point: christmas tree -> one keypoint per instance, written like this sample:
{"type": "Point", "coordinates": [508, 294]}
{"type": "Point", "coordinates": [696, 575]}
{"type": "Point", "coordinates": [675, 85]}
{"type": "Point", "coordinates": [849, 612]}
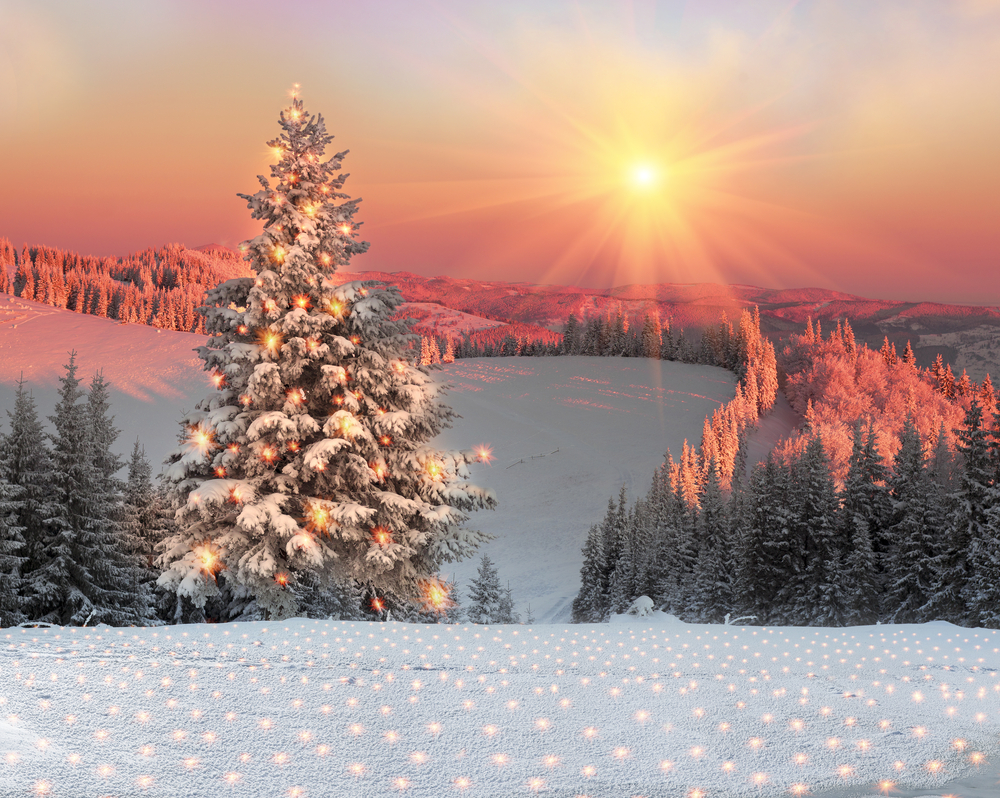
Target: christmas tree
{"type": "Point", "coordinates": [310, 460]}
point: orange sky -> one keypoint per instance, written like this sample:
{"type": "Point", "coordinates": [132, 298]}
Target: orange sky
{"type": "Point", "coordinates": [835, 143]}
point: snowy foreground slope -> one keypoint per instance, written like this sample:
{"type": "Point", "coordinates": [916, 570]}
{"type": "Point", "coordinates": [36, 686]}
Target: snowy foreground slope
{"type": "Point", "coordinates": [648, 707]}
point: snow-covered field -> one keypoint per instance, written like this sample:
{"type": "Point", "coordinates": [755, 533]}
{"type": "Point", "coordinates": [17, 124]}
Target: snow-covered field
{"type": "Point", "coordinates": [649, 707]}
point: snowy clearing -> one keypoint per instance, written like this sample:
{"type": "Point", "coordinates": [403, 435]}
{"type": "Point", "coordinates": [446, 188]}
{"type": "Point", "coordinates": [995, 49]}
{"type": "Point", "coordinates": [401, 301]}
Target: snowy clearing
{"type": "Point", "coordinates": [567, 433]}
{"type": "Point", "coordinates": [648, 707]}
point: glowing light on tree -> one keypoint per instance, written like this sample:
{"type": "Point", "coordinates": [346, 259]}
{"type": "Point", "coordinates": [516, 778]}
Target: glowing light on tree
{"type": "Point", "coordinates": [484, 453]}
{"type": "Point", "coordinates": [202, 439]}
{"type": "Point", "coordinates": [270, 340]}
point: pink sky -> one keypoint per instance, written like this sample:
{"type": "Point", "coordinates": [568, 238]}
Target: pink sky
{"type": "Point", "coordinates": [835, 143]}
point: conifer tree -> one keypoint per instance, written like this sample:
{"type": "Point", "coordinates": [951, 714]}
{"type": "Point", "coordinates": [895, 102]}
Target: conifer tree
{"type": "Point", "coordinates": [614, 535]}
{"type": "Point", "coordinates": [11, 551]}
{"type": "Point", "coordinates": [860, 525]}
{"type": "Point", "coordinates": [312, 453]}
{"type": "Point", "coordinates": [914, 525]}
{"type": "Point", "coordinates": [485, 594]}
{"type": "Point", "coordinates": [973, 529]}
{"type": "Point", "coordinates": [571, 336]}
{"type": "Point", "coordinates": [82, 574]}
{"type": "Point", "coordinates": [711, 590]}
{"type": "Point", "coordinates": [587, 603]}
{"type": "Point", "coordinates": [139, 508]}
{"type": "Point", "coordinates": [810, 595]}
{"type": "Point", "coordinates": [506, 612]}
{"type": "Point", "coordinates": [25, 461]}
{"type": "Point", "coordinates": [651, 341]}
{"type": "Point", "coordinates": [763, 551]}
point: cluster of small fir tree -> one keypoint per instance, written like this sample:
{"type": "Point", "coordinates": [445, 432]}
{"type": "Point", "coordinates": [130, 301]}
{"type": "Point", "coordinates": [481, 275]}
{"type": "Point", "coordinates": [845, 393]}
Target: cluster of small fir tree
{"type": "Point", "coordinates": [66, 551]}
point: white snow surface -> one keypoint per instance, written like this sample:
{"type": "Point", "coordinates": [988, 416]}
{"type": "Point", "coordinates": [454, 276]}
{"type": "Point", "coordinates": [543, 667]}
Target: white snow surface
{"type": "Point", "coordinates": [639, 707]}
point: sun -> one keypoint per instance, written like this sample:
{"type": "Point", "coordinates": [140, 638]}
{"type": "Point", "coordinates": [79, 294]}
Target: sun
{"type": "Point", "coordinates": [644, 175]}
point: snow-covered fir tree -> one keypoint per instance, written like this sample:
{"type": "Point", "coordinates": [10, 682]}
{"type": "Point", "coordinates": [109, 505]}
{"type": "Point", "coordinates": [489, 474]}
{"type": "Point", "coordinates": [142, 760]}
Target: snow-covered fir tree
{"type": "Point", "coordinates": [27, 465]}
{"type": "Point", "coordinates": [862, 522]}
{"type": "Point", "coordinates": [311, 455]}
{"type": "Point", "coordinates": [917, 518]}
{"type": "Point", "coordinates": [506, 611]}
{"type": "Point", "coordinates": [84, 573]}
{"type": "Point", "coordinates": [973, 525]}
{"type": "Point", "coordinates": [586, 605]}
{"type": "Point", "coordinates": [711, 588]}
{"type": "Point", "coordinates": [485, 594]}
{"type": "Point", "coordinates": [11, 553]}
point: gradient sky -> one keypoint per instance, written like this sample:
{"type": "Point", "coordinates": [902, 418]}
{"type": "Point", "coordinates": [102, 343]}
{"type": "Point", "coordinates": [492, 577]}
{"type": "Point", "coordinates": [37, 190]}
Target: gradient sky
{"type": "Point", "coordinates": [848, 144]}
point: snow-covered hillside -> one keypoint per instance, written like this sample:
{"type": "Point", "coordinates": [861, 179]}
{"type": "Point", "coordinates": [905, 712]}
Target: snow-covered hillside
{"type": "Point", "coordinates": [610, 419]}
{"type": "Point", "coordinates": [649, 707]}
{"type": "Point", "coordinates": [154, 374]}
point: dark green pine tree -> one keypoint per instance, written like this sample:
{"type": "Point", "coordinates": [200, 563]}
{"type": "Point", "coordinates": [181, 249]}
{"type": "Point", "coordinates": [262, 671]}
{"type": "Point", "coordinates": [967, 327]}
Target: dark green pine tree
{"type": "Point", "coordinates": [27, 464]}
{"type": "Point", "coordinates": [686, 549]}
{"type": "Point", "coordinates": [810, 596]}
{"type": "Point", "coordinates": [614, 534]}
{"type": "Point", "coordinates": [916, 520]}
{"type": "Point", "coordinates": [975, 522]}
{"type": "Point", "coordinates": [122, 569]}
{"type": "Point", "coordinates": [951, 593]}
{"type": "Point", "coordinates": [711, 589]}
{"type": "Point", "coordinates": [143, 523]}
{"type": "Point", "coordinates": [626, 578]}
{"type": "Point", "coordinates": [507, 613]}
{"type": "Point", "coordinates": [571, 336]}
{"type": "Point", "coordinates": [763, 552]}
{"type": "Point", "coordinates": [11, 551]}
{"type": "Point", "coordinates": [861, 520]}
{"type": "Point", "coordinates": [662, 534]}
{"type": "Point", "coordinates": [587, 604]}
{"type": "Point", "coordinates": [83, 575]}
{"type": "Point", "coordinates": [139, 516]}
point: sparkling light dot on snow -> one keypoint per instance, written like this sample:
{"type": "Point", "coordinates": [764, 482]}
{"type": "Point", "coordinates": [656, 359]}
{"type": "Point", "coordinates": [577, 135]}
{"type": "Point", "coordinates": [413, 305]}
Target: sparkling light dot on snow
{"type": "Point", "coordinates": [391, 708]}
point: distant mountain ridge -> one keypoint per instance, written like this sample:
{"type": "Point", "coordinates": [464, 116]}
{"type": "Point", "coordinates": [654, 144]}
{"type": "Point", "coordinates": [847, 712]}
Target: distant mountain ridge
{"type": "Point", "coordinates": [149, 287]}
{"type": "Point", "coordinates": [966, 336]}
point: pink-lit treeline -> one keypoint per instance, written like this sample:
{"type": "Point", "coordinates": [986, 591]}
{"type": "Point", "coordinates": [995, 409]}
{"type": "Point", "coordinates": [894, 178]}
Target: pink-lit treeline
{"type": "Point", "coordinates": [159, 287]}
